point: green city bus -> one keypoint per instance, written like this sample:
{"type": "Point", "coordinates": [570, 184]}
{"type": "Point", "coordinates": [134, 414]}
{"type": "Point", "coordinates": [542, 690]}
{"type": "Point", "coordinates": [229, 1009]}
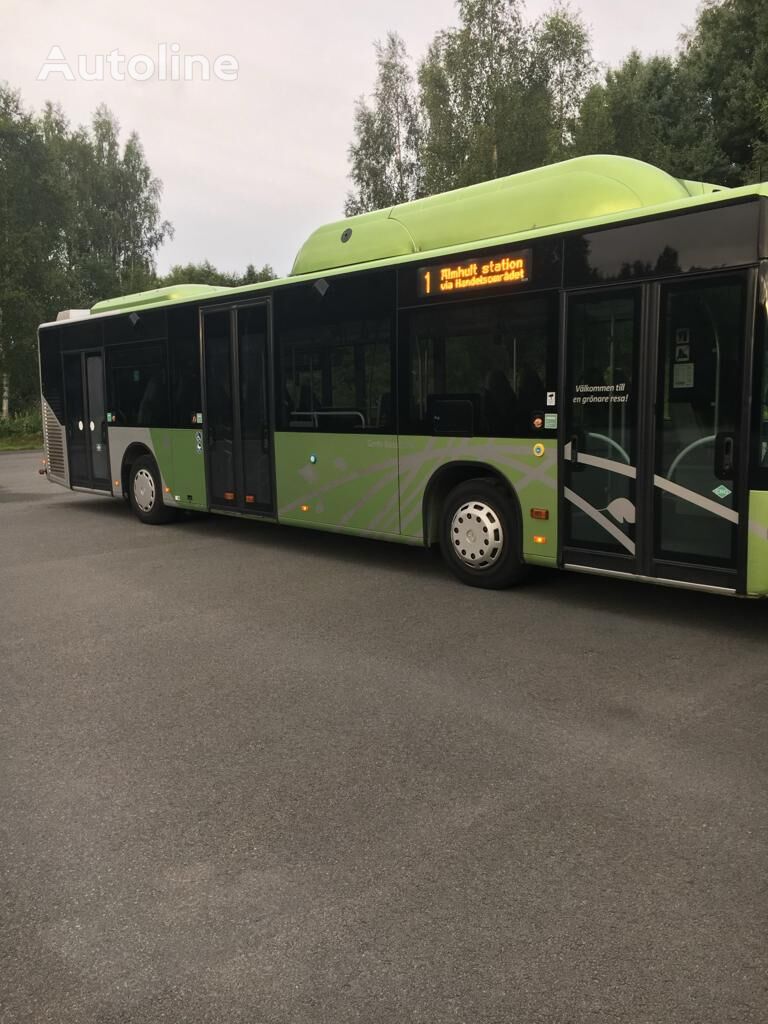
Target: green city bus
{"type": "Point", "coordinates": [566, 367]}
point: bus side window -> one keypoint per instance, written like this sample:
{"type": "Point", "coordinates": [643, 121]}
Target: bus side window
{"type": "Point", "coordinates": [335, 354]}
{"type": "Point", "coordinates": [485, 366]}
{"type": "Point", "coordinates": [184, 348]}
{"type": "Point", "coordinates": [139, 393]}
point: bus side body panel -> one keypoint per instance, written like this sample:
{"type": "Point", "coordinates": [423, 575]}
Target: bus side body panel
{"type": "Point", "coordinates": [530, 467]}
{"type": "Point", "coordinates": [338, 481]}
{"type": "Point", "coordinates": [186, 471]}
{"type": "Point", "coordinates": [52, 405]}
{"type": "Point", "coordinates": [375, 485]}
{"type": "Point", "coordinates": [179, 457]}
{"type": "Point", "coordinates": [757, 544]}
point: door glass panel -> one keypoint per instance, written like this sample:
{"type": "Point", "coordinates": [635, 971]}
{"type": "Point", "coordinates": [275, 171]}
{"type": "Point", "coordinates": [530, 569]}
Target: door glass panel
{"type": "Point", "coordinates": [254, 409]}
{"type": "Point", "coordinates": [97, 421]}
{"type": "Point", "coordinates": [77, 440]}
{"type": "Point", "coordinates": [601, 411]}
{"type": "Point", "coordinates": [218, 385]}
{"type": "Point", "coordinates": [697, 410]}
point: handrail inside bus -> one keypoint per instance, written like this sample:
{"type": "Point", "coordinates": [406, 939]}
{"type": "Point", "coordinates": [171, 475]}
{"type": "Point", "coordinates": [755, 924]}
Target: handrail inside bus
{"type": "Point", "coordinates": [688, 448]}
{"type": "Point", "coordinates": [612, 444]}
{"type": "Point", "coordinates": [314, 414]}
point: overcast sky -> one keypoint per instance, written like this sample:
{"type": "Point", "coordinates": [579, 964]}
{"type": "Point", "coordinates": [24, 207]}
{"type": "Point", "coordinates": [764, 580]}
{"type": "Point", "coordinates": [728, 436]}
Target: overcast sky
{"type": "Point", "coordinates": [250, 167]}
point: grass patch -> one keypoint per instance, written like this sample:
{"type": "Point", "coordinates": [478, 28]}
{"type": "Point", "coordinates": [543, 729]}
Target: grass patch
{"type": "Point", "coordinates": [23, 431]}
{"type": "Point", "coordinates": [21, 442]}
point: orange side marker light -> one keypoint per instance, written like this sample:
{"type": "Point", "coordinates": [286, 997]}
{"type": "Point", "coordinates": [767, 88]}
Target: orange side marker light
{"type": "Point", "coordinates": [538, 539]}
{"type": "Point", "coordinates": [539, 513]}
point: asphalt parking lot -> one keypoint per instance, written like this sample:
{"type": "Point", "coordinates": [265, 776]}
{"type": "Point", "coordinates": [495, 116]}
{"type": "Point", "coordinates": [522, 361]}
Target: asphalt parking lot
{"type": "Point", "coordinates": [251, 774]}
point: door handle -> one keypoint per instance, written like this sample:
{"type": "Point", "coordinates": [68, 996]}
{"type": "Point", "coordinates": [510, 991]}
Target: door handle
{"type": "Point", "coordinates": [725, 455]}
{"type": "Point", "coordinates": [576, 439]}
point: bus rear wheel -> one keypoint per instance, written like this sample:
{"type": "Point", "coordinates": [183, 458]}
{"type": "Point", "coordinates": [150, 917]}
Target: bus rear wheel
{"type": "Point", "coordinates": [145, 492]}
{"type": "Point", "coordinates": [480, 535]}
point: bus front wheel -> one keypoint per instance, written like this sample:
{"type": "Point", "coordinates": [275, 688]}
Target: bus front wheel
{"type": "Point", "coordinates": [480, 535]}
{"type": "Point", "coordinates": [145, 492]}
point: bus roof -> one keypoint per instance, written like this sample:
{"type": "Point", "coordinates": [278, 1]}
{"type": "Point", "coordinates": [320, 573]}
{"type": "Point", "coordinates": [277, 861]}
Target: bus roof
{"type": "Point", "coordinates": [585, 192]}
{"type": "Point", "coordinates": [559, 194]}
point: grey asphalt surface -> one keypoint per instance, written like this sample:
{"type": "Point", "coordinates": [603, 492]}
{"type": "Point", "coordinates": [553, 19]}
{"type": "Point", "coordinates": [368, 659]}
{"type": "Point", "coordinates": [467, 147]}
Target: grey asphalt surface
{"type": "Point", "coordinates": [252, 774]}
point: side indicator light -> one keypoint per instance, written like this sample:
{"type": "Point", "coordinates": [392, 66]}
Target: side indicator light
{"type": "Point", "coordinates": [229, 495]}
{"type": "Point", "coordinates": [539, 513]}
{"type": "Point", "coordinates": [117, 483]}
{"type": "Point", "coordinates": [538, 539]}
{"type": "Point", "coordinates": [167, 490]}
{"type": "Point", "coordinates": [304, 508]}
{"type": "Point", "coordinates": [249, 499]}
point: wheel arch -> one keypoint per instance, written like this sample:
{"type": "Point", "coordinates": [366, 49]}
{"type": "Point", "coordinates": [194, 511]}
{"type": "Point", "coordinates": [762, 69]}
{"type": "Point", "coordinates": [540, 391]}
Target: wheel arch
{"type": "Point", "coordinates": [448, 476]}
{"type": "Point", "coordinates": [133, 452]}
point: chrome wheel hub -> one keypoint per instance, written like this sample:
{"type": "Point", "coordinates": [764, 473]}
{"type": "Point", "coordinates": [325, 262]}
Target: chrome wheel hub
{"type": "Point", "coordinates": [144, 490]}
{"type": "Point", "coordinates": [477, 536]}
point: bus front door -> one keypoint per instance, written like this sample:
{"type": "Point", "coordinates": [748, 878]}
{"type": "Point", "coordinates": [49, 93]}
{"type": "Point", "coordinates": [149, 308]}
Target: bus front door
{"type": "Point", "coordinates": [700, 419]}
{"type": "Point", "coordinates": [86, 420]}
{"type": "Point", "coordinates": [237, 408]}
{"type": "Point", "coordinates": [602, 402]}
{"type": "Point", "coordinates": [653, 465]}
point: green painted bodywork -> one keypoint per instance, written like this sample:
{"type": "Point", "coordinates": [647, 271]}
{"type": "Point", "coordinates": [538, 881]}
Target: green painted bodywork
{"type": "Point", "coordinates": [374, 485]}
{"type": "Point", "coordinates": [757, 544]}
{"type": "Point", "coordinates": [158, 296]}
{"type": "Point", "coordinates": [352, 484]}
{"type": "Point", "coordinates": [182, 466]}
{"type": "Point", "coordinates": [180, 461]}
{"type": "Point", "coordinates": [579, 189]}
{"type": "Point", "coordinates": [533, 478]}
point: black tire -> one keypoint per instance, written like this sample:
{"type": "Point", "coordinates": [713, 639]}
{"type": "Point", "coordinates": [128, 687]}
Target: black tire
{"type": "Point", "coordinates": [145, 493]}
{"type": "Point", "coordinates": [480, 535]}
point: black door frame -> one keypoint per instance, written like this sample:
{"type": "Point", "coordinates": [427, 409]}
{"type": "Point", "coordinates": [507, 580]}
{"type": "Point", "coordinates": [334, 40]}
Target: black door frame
{"type": "Point", "coordinates": [265, 510]}
{"type": "Point", "coordinates": [583, 557]}
{"type": "Point", "coordinates": [93, 483]}
{"type": "Point", "coordinates": [644, 564]}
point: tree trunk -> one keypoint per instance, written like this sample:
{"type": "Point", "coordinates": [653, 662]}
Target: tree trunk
{"type": "Point", "coordinates": [6, 393]}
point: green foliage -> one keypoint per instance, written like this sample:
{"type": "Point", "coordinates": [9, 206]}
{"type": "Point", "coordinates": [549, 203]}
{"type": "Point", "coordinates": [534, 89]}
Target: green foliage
{"type": "Point", "coordinates": [726, 57]}
{"type": "Point", "coordinates": [651, 110]}
{"type": "Point", "coordinates": [702, 113]}
{"type": "Point", "coordinates": [494, 95]}
{"type": "Point", "coordinates": [22, 423]}
{"type": "Point", "coordinates": [474, 86]}
{"type": "Point", "coordinates": [497, 95]}
{"type": "Point", "coordinates": [384, 158]}
{"type": "Point", "coordinates": [79, 221]}
{"type": "Point", "coordinates": [562, 52]}
{"type": "Point", "coordinates": [31, 226]}
{"type": "Point", "coordinates": [206, 273]}
{"type": "Point", "coordinates": [23, 430]}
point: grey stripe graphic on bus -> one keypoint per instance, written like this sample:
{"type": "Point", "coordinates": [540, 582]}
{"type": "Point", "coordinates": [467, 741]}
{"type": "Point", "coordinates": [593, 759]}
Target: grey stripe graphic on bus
{"type": "Point", "coordinates": [623, 469]}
